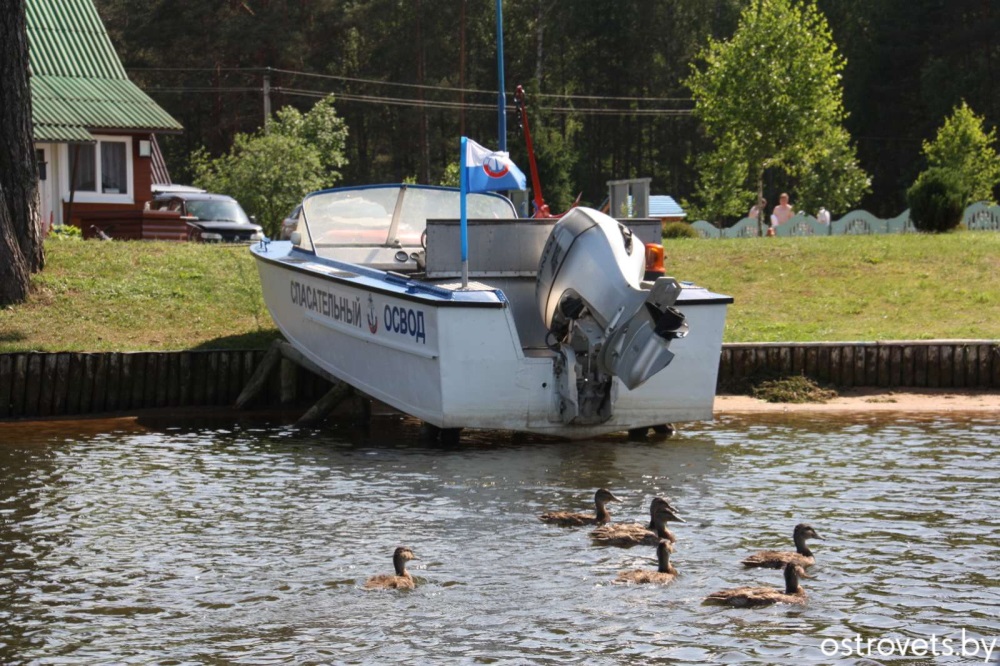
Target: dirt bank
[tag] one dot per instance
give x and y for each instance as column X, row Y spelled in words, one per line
column 873, row 400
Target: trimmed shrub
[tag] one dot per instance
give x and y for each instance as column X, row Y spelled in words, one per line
column 679, row 230
column 936, row 201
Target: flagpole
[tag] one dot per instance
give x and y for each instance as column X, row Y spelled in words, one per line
column 463, row 185
column 502, row 98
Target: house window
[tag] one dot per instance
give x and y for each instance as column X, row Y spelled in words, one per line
column 101, row 171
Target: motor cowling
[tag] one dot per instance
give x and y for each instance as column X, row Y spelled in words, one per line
column 603, row 321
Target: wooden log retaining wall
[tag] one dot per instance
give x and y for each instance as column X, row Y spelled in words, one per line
column 959, row 364
column 42, row 385
column 35, row 384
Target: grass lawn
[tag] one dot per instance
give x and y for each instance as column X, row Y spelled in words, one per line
column 124, row 296
column 842, row 288
column 140, row 296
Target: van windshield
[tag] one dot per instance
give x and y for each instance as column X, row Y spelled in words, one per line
column 217, row 211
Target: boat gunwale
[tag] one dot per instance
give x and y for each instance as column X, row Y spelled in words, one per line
column 427, row 298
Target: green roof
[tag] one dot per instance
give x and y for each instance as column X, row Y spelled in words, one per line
column 78, row 83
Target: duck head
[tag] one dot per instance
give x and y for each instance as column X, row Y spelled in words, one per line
column 400, row 557
column 793, row 572
column 663, row 550
column 662, row 504
column 603, row 496
column 801, row 533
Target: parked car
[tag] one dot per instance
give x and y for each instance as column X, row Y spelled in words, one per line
column 290, row 223
column 211, row 218
column 173, row 188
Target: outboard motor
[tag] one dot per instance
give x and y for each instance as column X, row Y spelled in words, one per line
column 600, row 318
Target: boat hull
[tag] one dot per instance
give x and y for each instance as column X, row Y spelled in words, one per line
column 455, row 359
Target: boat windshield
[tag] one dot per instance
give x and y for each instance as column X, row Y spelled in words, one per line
column 365, row 216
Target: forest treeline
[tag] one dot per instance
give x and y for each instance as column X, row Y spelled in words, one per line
column 604, row 80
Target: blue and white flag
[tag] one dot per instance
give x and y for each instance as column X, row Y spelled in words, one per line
column 482, row 170
column 489, row 170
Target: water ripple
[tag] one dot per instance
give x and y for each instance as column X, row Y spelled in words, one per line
column 251, row 544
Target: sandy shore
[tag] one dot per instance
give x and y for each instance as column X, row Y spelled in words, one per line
column 872, row 400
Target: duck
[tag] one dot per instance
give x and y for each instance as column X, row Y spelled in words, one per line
column 570, row 519
column 665, row 571
column 776, row 559
column 634, row 534
column 750, row 597
column 402, row 580
column 660, row 502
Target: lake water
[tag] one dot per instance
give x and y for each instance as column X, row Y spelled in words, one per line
column 123, row 543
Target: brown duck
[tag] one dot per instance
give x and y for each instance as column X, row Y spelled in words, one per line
column 776, row 559
column 402, row 580
column 570, row 519
column 749, row 597
column 626, row 535
column 665, row 571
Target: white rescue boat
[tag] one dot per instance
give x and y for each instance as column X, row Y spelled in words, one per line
column 557, row 332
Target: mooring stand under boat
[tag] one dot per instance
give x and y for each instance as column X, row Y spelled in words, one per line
column 322, row 408
column 282, row 350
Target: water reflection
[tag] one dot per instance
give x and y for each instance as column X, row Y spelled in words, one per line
column 250, row 543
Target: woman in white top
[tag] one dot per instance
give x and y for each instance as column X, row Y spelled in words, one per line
column 782, row 212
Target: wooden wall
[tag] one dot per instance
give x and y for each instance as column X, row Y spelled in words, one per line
column 960, row 364
column 36, row 385
column 66, row 383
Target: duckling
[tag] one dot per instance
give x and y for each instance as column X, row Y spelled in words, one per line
column 748, row 597
column 775, row 559
column 634, row 534
column 665, row 571
column 570, row 519
column 402, row 580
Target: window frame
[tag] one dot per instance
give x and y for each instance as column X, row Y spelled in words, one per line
column 83, row 196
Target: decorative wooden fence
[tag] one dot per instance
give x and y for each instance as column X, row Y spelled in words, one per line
column 977, row 217
column 40, row 385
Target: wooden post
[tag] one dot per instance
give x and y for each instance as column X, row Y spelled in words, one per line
column 799, row 360
column 884, row 353
column 933, row 366
column 872, row 365
column 294, row 355
column 983, row 379
column 33, row 386
column 995, row 360
column 46, row 384
column 920, row 366
column 895, row 366
column 325, row 405
column 259, row 379
column 906, row 377
column 971, row 365
column 6, row 380
column 113, row 393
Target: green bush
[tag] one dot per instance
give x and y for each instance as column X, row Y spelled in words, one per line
column 936, row 201
column 65, row 232
column 679, row 230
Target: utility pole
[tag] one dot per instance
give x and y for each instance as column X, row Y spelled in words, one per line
column 461, row 71
column 267, row 98
column 501, row 96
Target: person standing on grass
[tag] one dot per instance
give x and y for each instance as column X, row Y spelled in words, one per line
column 783, row 211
